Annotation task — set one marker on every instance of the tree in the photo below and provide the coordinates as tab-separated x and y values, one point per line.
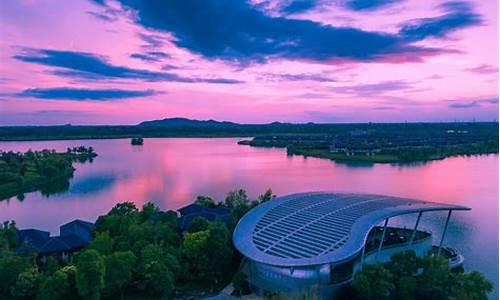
26	284
90	274
8	233
236	214
436	278
149	210
235	198
55	287
198	224
11	266
268	195
404	264
373	282
471	286
406	287
154	274
102	243
119	272
219	251
205	201
194	256
124	209
240	284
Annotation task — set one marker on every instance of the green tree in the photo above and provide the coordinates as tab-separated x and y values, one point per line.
406	287
436	278
205	201
194	257
149	210
154	272
240	284
373	282
236	198
236	214
124	209
8	233
119	272
11	266
198	224
268	195
26	284
219	251
471	286
90	274
404	264
55	287
102	243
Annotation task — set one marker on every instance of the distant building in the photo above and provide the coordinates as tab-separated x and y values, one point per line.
367	150
190	212
319	240
74	236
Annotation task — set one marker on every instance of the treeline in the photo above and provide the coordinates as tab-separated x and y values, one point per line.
408	277
45	170
135	252
224	129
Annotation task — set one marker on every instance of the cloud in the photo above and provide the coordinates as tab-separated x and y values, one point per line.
298	77
150	56
472	104
102	16
368	5
384	108
298	6
457	15
239	32
373	88
88	66
84	94
483	69
152	40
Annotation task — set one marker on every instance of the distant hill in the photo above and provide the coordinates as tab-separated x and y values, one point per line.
184	122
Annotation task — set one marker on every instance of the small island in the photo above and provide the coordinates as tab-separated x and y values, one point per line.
389	143
137	141
46	170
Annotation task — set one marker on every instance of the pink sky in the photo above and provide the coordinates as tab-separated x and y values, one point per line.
457	80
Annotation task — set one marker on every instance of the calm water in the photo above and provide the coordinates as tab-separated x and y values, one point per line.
171	172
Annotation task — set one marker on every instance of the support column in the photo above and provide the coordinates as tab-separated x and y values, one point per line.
363	256
444	232
382	238
415	229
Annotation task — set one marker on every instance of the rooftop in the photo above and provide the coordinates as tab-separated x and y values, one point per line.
318	227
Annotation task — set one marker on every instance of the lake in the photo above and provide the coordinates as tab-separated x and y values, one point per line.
171	172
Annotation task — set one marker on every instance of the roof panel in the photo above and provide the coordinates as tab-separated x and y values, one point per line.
318	227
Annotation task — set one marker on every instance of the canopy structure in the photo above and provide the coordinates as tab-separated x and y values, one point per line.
319	227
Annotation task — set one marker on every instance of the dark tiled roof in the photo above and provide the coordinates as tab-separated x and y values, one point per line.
218	215
87	225
189	209
31	234
54	244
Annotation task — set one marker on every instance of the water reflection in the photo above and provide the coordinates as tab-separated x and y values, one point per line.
171	172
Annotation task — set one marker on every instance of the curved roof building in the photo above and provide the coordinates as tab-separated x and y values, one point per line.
298	241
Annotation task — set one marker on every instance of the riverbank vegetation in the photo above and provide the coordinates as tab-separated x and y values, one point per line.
135	253
142	254
180	127
408	277
46	170
389	143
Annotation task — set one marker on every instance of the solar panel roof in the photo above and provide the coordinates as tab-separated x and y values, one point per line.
318	227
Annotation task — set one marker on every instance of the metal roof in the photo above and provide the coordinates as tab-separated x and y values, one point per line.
318	227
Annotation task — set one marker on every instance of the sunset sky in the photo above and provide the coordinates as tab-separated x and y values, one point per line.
259	61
